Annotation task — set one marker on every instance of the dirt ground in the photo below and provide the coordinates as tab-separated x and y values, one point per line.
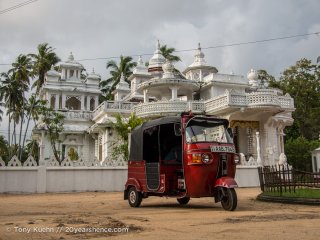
87	215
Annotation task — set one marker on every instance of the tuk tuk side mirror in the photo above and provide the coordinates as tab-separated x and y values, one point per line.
177	129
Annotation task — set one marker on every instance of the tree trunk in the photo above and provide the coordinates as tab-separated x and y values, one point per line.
20	134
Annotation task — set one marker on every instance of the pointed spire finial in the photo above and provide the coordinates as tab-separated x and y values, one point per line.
52	67
71	58
199	46
122	78
158	45
93	70
140	62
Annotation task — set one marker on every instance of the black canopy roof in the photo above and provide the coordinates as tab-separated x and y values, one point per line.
136	144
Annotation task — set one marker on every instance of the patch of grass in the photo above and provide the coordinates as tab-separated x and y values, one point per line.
299	193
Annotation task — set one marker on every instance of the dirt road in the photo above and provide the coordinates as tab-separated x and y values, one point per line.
87	215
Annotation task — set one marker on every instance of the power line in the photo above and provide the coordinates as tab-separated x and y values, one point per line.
210	47
17	6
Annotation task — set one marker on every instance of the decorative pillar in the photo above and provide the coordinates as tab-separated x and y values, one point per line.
145	96
63	104
42	146
56	104
174	92
96	102
82	102
259	161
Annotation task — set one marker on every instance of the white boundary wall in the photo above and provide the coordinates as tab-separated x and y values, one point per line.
61	179
30	178
247	176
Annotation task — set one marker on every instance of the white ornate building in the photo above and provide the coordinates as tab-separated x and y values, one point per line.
76	99
257	114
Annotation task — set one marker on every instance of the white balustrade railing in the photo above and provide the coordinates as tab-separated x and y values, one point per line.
114	106
76	115
217	103
168	107
252	100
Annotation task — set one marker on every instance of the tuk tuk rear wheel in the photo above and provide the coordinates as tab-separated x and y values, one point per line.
134	197
183	201
229	199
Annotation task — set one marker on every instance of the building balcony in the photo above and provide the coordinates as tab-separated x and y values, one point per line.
164	108
76	115
267	99
113	107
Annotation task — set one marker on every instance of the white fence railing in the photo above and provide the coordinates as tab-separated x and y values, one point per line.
251	100
76	115
114	106
168	107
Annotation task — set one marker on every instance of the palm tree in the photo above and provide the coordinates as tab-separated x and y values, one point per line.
1	112
167	54
43	60
22	72
33	108
125	67
9	94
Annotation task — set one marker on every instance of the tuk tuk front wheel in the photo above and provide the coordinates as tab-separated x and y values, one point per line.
229	199
134	197
183	201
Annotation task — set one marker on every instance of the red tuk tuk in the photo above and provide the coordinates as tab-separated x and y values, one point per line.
187	156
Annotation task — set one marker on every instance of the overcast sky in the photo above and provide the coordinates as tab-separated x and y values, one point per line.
102	28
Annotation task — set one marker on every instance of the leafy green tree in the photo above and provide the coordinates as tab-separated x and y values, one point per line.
167	53
302	82
123	128
32	149
42	62
266	79
298	152
53	122
125	67
4	151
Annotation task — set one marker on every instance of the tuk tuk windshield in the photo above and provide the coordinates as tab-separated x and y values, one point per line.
206	130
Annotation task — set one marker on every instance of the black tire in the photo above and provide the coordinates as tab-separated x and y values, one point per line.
183	201
229	199
134	197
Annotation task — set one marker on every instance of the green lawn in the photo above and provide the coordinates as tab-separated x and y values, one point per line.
299	193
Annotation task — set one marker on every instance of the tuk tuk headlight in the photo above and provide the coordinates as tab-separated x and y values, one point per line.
206	158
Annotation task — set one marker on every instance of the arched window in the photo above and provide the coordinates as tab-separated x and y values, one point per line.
92	102
53	101
73	103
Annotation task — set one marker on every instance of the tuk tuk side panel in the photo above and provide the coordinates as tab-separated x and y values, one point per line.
136	170
171	173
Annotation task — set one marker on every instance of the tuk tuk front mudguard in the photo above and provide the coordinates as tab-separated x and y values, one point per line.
226	182
131	182
223	182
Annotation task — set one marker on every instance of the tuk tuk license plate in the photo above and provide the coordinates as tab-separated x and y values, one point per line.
227	149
